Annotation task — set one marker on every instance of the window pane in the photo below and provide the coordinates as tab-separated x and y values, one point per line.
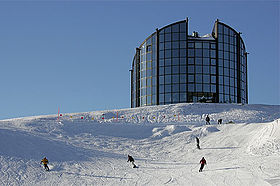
182	44
190	61
167	54
190	45
198	87
167	62
167	98
198	52
213	79
175	79
175	36
221	80
161	46
175	61
190	78
198	61
161	89
175	88
190	69
175	44
206	61
168	79
191	52
149	91
175	53
167	37
183	78
226	79
183	69
183	88
205	53
206	69
206	78
198	78
205	45
213	53
213	88
167	88
161	80
213	70
191	87
183	52
175	28
198	45
175	98
226	71
183	97
175	69
161	38
183	36
167	70
198	69
161	54
161	71
221	88
161	98
182	27
167	45
183	61
206	88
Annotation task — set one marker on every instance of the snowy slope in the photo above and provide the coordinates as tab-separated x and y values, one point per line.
93	150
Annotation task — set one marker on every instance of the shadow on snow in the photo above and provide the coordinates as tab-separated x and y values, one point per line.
226	168
222	148
19	144
94	176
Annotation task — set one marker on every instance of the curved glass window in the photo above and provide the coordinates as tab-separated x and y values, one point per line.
171	66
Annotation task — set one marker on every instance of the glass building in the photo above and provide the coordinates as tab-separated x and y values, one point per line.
173	66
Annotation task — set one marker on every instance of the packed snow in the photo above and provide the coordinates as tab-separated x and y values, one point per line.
91	148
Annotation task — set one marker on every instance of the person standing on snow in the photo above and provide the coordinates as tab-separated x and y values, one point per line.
207	120
202	163
197	142
130	159
45	162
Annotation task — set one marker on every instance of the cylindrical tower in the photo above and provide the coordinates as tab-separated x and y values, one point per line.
172	66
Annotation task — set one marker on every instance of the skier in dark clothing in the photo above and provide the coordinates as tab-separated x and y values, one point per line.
130	159
45	162
220	121
202	163
197	142
207	120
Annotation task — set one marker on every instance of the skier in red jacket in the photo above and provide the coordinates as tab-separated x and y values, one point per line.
202	163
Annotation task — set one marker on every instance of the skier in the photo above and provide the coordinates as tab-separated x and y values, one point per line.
130	159
207	119
202	163
220	121
45	162
197	142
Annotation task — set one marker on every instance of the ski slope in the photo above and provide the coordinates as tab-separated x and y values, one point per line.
244	150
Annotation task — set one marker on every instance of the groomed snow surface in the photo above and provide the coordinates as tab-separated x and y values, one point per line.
243	150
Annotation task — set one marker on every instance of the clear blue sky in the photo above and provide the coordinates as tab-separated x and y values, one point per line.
77	55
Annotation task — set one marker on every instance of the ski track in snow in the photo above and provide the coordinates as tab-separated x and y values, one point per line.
93	151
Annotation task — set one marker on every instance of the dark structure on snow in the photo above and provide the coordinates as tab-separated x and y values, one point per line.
172	66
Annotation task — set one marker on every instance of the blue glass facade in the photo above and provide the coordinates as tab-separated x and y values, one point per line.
171	66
